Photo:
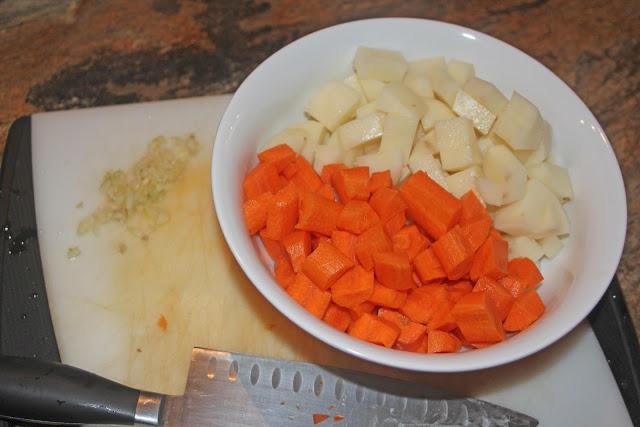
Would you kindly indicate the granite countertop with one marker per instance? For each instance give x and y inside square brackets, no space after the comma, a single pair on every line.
[62,54]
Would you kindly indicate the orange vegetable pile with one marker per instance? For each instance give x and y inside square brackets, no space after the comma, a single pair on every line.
[412,268]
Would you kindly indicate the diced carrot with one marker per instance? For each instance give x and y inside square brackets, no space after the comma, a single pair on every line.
[496,235]
[314,300]
[316,239]
[411,337]
[454,252]
[442,318]
[472,208]
[476,317]
[283,272]
[370,242]
[380,180]
[325,265]
[477,231]
[346,243]
[442,342]
[357,216]
[409,241]
[514,285]
[298,246]
[305,178]
[394,316]
[526,270]
[353,288]
[283,214]
[387,202]
[458,290]
[359,310]
[393,270]
[490,260]
[274,248]
[502,298]
[337,317]
[432,207]
[387,297]
[352,183]
[423,302]
[255,212]
[428,267]
[280,155]
[318,214]
[526,309]
[263,178]
[329,170]
[374,330]
[326,191]
[395,223]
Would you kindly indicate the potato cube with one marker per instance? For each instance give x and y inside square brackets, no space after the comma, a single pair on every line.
[371,147]
[360,131]
[540,154]
[372,88]
[524,247]
[353,82]
[444,86]
[457,144]
[520,124]
[550,245]
[485,143]
[420,67]
[334,104]
[381,161]
[492,193]
[422,159]
[466,106]
[435,110]
[399,133]
[379,64]
[294,138]
[502,167]
[316,134]
[420,84]
[397,98]
[461,71]
[349,156]
[553,176]
[486,94]
[366,109]
[326,154]
[463,181]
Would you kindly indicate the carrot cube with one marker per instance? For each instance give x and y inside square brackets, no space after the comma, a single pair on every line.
[325,265]
[304,176]
[458,290]
[442,342]
[297,244]
[326,191]
[454,252]
[283,214]
[501,297]
[387,202]
[442,318]
[263,178]
[477,319]
[387,297]
[422,303]
[328,170]
[526,309]
[393,270]
[314,300]
[476,231]
[274,248]
[337,317]
[370,242]
[360,309]
[514,285]
[428,267]
[409,241]
[280,155]
[491,259]
[395,223]
[346,243]
[472,208]
[283,272]
[374,329]
[318,214]
[357,216]
[255,212]
[380,180]
[353,288]
[351,183]
[526,270]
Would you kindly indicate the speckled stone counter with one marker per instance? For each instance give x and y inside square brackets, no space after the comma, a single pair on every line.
[62,54]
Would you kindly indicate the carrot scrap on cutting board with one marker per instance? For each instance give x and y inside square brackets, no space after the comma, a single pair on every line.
[526,309]
[318,418]
[162,323]
[325,265]
[374,329]
[525,270]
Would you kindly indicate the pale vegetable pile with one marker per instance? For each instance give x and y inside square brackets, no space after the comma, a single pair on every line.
[440,118]
[132,197]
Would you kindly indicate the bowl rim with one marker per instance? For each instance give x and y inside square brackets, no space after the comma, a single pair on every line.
[371,352]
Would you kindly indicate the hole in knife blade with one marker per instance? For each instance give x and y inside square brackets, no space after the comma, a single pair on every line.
[255,374]
[359,393]
[318,384]
[297,381]
[211,368]
[233,371]
[382,398]
[339,389]
[275,378]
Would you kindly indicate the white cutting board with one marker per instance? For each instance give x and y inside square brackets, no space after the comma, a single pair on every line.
[105,305]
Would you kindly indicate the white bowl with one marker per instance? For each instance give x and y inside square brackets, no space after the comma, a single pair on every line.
[274,95]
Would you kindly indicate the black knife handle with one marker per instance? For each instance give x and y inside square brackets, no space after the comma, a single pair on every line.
[50,392]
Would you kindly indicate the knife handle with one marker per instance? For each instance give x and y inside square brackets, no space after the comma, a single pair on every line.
[40,391]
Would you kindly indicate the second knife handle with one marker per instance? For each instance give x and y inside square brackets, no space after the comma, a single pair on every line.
[50,392]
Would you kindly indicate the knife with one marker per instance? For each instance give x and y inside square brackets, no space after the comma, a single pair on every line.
[233,389]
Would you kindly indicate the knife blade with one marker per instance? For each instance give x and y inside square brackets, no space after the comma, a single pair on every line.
[233,389]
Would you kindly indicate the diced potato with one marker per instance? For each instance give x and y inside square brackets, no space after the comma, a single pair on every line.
[316,133]
[405,173]
[348,156]
[432,142]
[353,82]
[466,106]
[551,246]
[399,133]
[397,98]
[294,138]
[553,176]
[420,67]
[502,167]
[540,154]
[381,161]
[492,193]
[327,154]
[334,104]
[360,131]
[461,71]
[486,94]
[520,124]
[463,181]
[457,144]
[524,247]
[435,110]
[422,159]
[444,86]
[372,88]
[371,147]
[537,215]
[485,143]
[379,64]
[366,109]
[420,84]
